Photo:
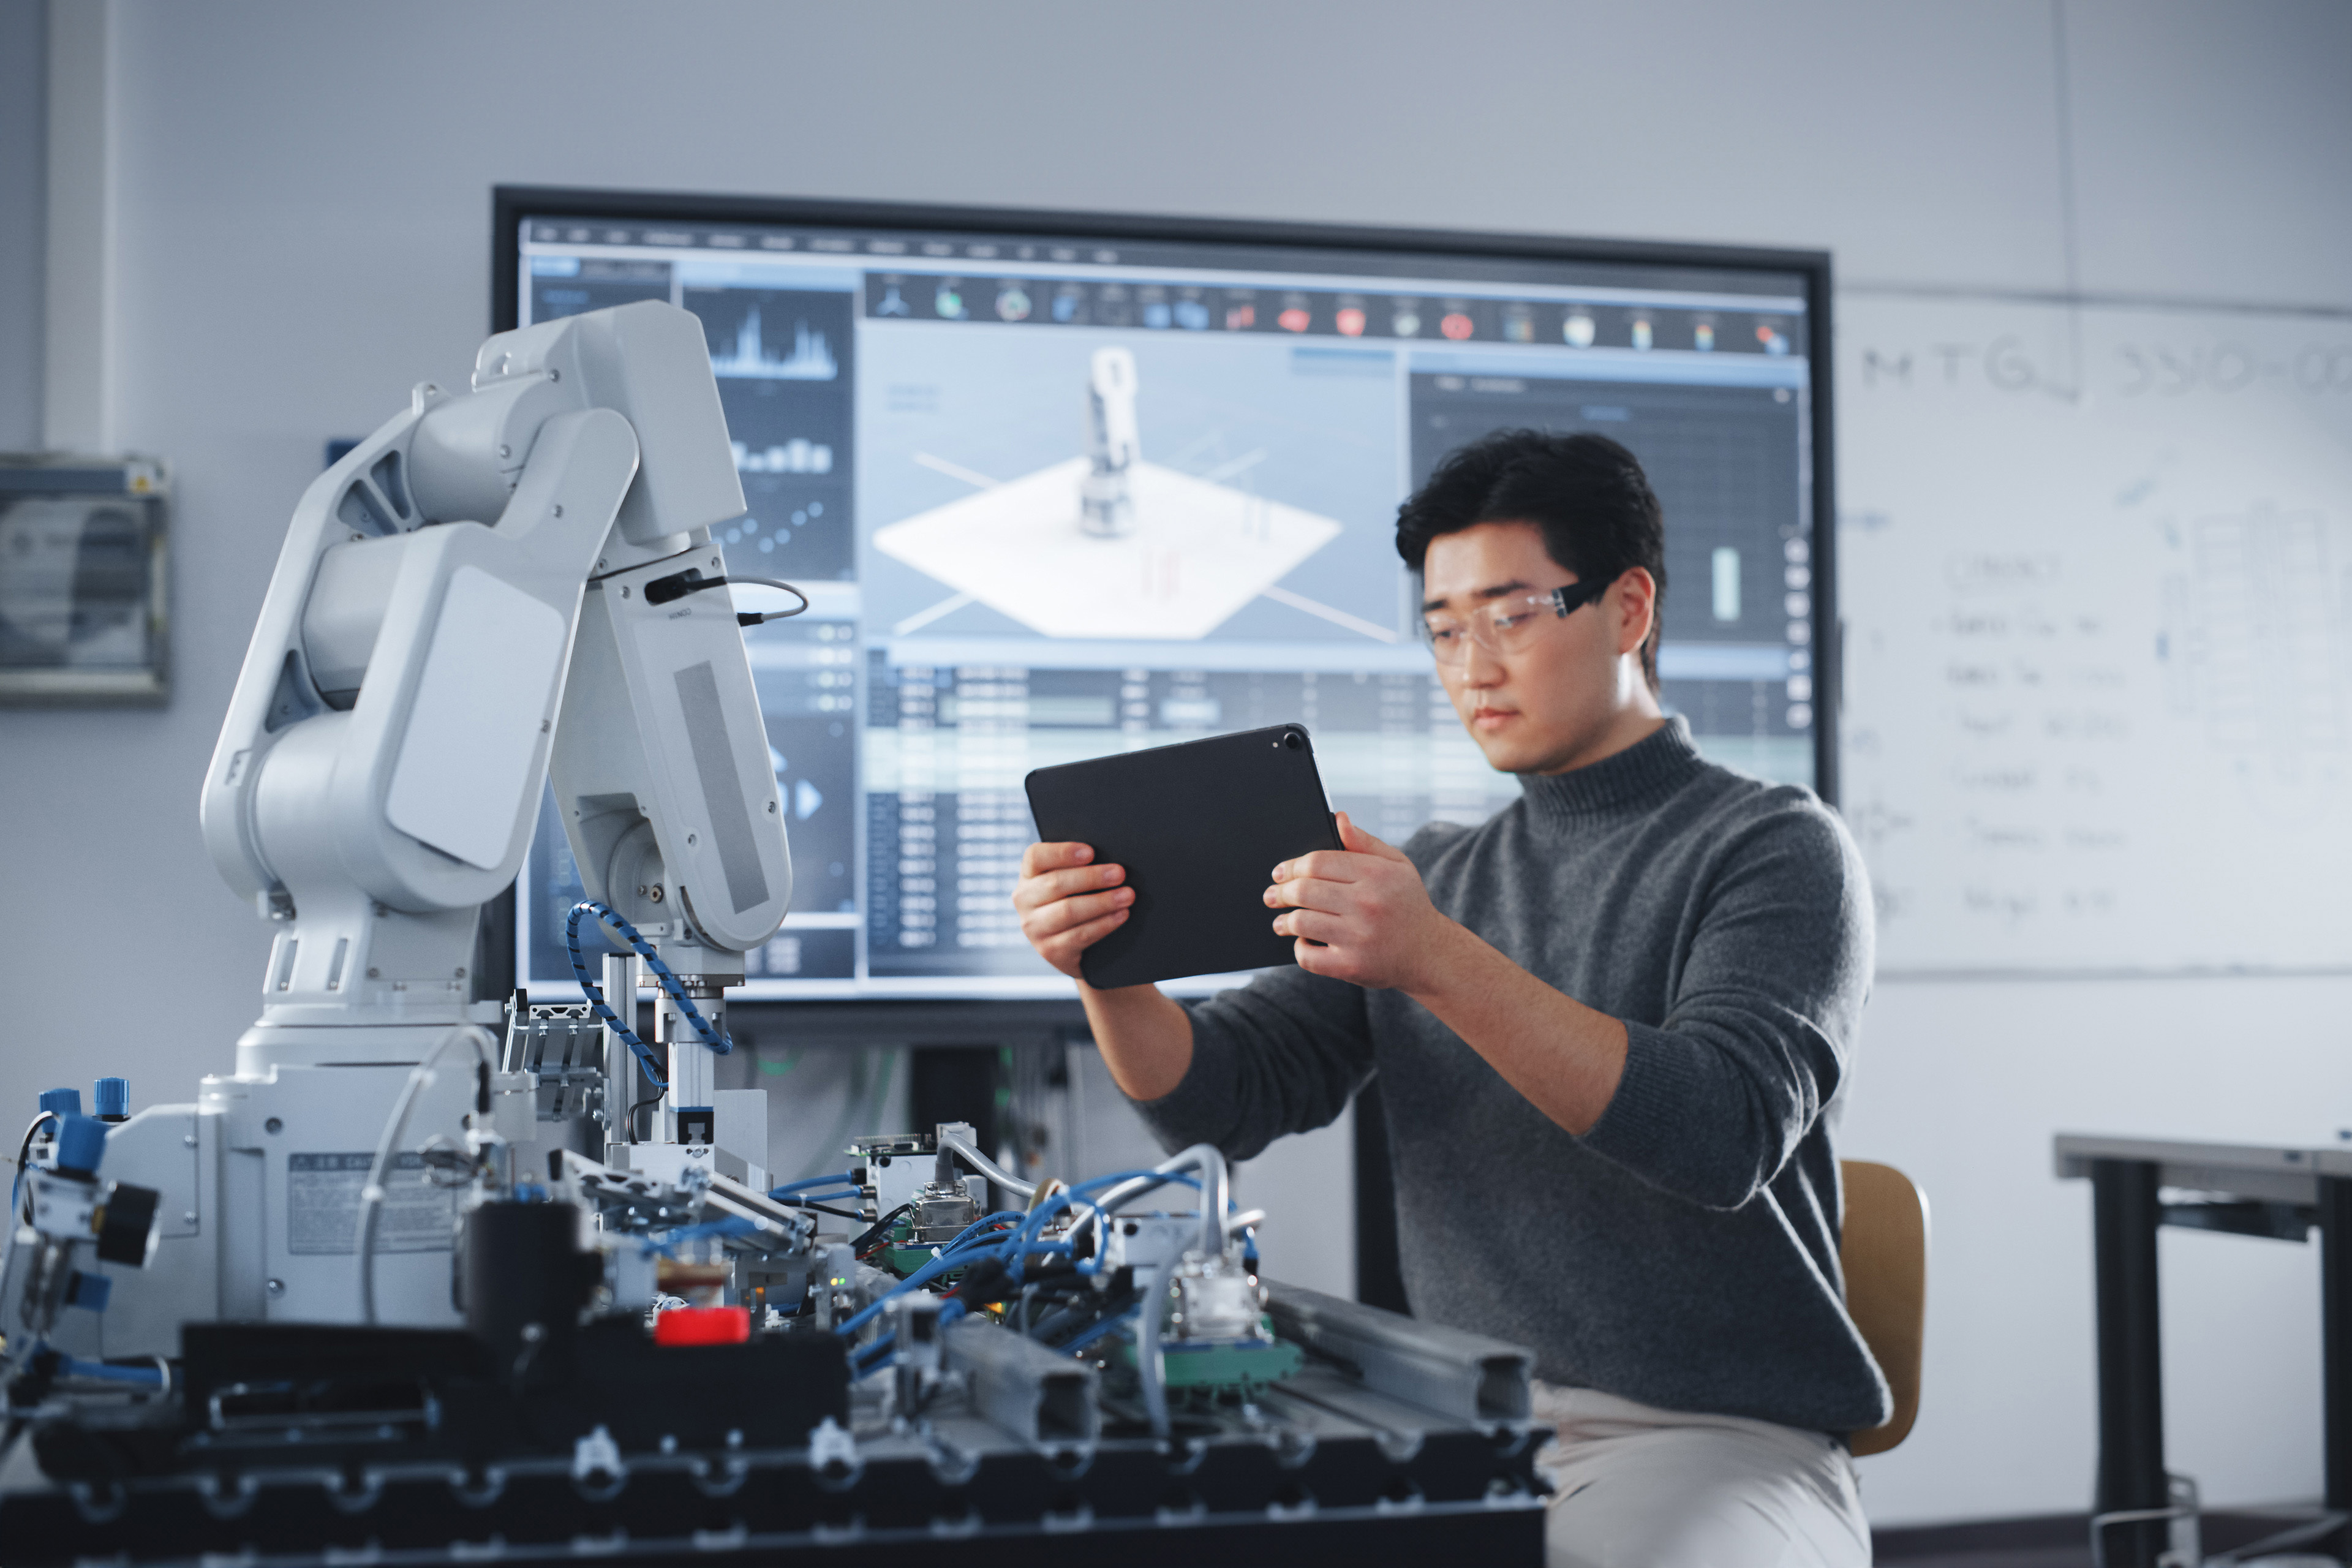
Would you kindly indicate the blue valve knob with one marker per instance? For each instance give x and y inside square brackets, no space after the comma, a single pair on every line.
[62,1102]
[81,1144]
[113,1100]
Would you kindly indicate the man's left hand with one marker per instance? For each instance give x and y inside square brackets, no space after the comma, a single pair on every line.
[1366,908]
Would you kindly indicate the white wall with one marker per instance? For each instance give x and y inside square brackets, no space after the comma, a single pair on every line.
[23,106]
[299,228]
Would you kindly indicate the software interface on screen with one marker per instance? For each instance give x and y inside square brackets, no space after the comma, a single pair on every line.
[916,419]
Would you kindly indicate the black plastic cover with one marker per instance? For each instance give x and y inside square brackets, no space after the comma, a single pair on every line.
[129,1222]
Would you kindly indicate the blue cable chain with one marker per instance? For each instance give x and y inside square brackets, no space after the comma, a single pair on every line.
[717,1040]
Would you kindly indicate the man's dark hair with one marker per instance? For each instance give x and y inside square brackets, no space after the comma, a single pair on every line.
[1585,493]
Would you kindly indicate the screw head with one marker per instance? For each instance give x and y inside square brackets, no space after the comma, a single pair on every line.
[273,1125]
[690,839]
[189,1217]
[277,1286]
[375,975]
[556,510]
[506,451]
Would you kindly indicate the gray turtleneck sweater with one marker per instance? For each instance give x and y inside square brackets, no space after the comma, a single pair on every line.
[1684,1251]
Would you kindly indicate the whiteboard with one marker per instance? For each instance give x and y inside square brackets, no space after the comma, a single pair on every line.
[2096,572]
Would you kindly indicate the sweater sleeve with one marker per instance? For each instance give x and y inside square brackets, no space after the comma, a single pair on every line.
[1758,1031]
[1283,1054]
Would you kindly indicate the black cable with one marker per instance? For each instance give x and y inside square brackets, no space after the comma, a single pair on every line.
[662,590]
[651,1099]
[1068,1322]
[881,1228]
[820,1208]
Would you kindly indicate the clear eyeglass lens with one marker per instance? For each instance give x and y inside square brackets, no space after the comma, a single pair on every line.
[1504,626]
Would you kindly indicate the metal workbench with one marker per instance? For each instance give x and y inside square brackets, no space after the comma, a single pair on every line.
[2138,1184]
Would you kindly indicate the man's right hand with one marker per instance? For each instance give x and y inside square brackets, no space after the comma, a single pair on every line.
[1069,903]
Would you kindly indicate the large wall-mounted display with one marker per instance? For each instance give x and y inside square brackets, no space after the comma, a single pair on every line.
[1057,486]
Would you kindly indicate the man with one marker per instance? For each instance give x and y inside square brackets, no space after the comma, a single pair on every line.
[1611,1024]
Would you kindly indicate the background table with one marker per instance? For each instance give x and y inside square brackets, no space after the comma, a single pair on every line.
[2248,1189]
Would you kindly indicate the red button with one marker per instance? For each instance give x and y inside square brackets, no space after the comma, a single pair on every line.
[703,1326]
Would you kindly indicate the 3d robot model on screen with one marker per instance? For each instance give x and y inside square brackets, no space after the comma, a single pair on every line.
[1107,544]
[501,1271]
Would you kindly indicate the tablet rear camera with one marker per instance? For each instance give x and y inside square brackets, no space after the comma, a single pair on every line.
[1292,739]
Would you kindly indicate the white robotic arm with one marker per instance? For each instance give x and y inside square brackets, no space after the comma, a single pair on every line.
[424,648]
[499,586]
[1114,446]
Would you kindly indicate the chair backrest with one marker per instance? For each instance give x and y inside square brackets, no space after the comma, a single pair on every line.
[1885,1253]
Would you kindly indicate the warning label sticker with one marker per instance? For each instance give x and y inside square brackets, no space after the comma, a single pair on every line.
[322,1205]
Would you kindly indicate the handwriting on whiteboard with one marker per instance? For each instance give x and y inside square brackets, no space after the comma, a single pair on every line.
[2096,577]
[2155,368]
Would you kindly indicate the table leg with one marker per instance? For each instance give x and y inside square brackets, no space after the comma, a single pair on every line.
[2335,1336]
[2125,1217]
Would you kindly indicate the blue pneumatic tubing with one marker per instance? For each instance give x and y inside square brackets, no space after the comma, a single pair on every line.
[1094,1330]
[883,1351]
[152,1376]
[845,1178]
[950,1257]
[1020,1242]
[716,1039]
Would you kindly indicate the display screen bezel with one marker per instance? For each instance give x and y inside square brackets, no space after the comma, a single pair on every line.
[1351,248]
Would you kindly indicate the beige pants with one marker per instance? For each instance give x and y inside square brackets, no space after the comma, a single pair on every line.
[1644,1487]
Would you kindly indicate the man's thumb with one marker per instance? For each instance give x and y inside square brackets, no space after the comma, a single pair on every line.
[1354,838]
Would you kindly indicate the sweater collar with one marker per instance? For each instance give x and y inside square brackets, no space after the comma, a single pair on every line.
[1640,775]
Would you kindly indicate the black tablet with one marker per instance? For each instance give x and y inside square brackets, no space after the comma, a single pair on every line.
[1199,827]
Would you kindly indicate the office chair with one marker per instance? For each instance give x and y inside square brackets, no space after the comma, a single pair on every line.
[1884,1253]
